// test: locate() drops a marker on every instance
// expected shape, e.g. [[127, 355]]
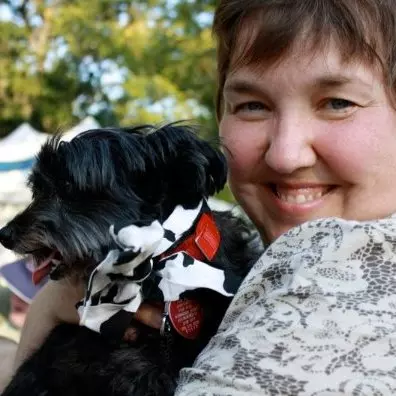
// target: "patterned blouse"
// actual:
[[316, 316]]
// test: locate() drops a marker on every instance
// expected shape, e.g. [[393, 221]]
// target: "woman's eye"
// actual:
[[250, 106], [338, 104]]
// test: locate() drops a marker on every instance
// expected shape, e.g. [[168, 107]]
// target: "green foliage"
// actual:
[[123, 62]]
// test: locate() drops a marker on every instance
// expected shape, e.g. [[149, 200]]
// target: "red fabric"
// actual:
[[203, 243]]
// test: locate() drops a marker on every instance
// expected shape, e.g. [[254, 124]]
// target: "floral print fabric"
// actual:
[[315, 316]]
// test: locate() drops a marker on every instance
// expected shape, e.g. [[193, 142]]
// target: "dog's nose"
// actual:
[[7, 237]]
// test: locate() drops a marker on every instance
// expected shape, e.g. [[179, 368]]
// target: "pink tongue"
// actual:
[[43, 269]]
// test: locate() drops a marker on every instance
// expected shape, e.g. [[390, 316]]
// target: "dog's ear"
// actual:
[[214, 168], [193, 168]]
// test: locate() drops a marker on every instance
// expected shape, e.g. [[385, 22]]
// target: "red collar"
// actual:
[[186, 315], [203, 243]]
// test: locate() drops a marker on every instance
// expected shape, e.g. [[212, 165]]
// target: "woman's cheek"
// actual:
[[350, 153], [244, 146]]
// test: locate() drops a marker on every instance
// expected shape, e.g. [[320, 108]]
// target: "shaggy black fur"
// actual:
[[105, 177]]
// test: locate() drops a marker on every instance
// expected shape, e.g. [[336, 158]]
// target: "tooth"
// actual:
[[301, 199], [289, 198]]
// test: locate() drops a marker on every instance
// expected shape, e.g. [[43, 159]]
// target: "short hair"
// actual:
[[253, 31]]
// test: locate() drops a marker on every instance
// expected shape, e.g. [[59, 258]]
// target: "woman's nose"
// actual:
[[290, 146]]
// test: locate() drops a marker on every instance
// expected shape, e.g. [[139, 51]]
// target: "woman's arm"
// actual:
[[54, 304]]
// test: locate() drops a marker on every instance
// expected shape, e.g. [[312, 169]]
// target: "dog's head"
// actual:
[[105, 177]]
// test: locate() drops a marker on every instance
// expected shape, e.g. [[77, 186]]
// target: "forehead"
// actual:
[[264, 39], [270, 32], [301, 64]]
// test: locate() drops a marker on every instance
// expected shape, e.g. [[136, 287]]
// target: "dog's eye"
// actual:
[[67, 187]]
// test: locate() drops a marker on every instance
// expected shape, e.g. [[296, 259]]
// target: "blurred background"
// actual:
[[118, 61], [70, 65]]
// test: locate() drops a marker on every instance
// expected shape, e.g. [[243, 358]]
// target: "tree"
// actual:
[[123, 62]]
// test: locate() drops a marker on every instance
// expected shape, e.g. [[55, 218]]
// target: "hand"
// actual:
[[54, 304], [148, 314]]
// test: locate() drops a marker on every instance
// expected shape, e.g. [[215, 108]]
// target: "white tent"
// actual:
[[13, 189], [21, 144], [17, 154], [86, 124]]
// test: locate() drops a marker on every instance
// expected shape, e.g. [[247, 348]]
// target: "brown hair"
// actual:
[[250, 31]]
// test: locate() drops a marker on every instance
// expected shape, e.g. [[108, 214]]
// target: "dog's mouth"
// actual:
[[46, 262]]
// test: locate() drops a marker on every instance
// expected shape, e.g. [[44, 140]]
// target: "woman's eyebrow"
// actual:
[[242, 86], [327, 81], [338, 80]]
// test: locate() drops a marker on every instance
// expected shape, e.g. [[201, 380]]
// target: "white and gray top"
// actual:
[[316, 316]]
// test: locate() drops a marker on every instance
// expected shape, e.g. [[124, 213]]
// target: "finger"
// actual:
[[131, 334], [150, 315]]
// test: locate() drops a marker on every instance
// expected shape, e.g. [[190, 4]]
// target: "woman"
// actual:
[[307, 119]]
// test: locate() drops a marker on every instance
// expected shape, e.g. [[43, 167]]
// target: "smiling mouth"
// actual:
[[301, 195]]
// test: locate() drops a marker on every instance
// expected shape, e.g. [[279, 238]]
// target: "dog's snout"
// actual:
[[7, 237]]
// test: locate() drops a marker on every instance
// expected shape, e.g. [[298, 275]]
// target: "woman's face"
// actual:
[[310, 137]]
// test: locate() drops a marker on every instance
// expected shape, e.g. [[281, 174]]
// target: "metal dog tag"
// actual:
[[186, 317]]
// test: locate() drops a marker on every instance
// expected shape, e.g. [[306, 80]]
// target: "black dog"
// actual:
[[125, 177]]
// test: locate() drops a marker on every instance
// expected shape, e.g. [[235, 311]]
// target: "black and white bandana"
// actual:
[[131, 272]]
